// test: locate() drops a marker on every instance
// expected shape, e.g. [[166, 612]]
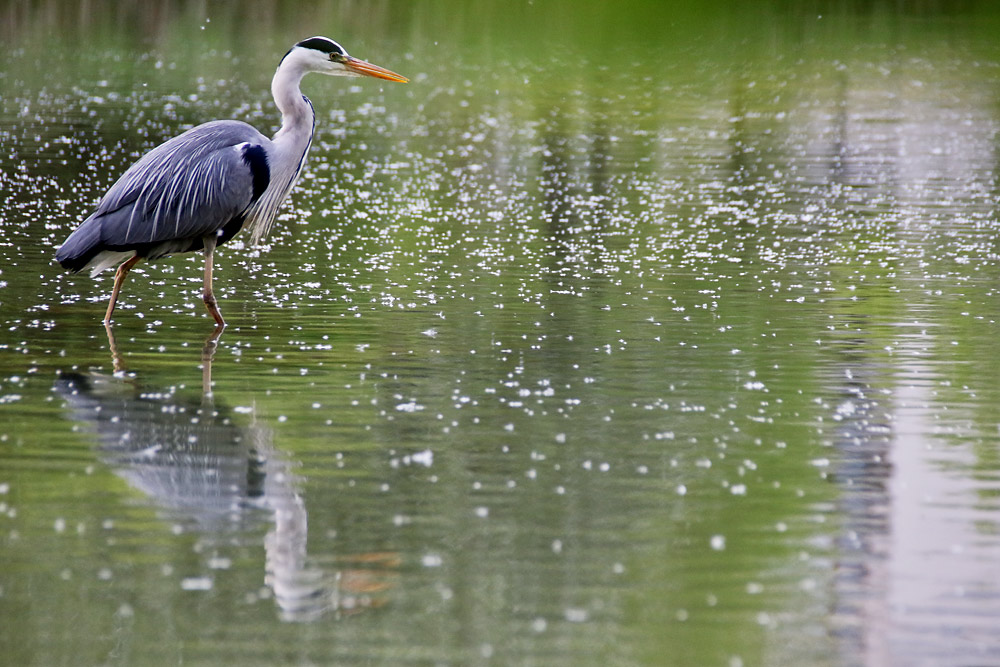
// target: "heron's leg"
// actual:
[[120, 274], [208, 295]]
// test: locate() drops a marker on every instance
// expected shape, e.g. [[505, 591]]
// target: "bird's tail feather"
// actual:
[[83, 249], [81, 246]]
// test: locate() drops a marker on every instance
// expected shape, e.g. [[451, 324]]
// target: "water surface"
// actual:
[[625, 338]]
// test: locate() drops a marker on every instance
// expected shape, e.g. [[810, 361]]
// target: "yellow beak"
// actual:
[[368, 69]]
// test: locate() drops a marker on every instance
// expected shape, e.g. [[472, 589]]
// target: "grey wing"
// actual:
[[186, 188]]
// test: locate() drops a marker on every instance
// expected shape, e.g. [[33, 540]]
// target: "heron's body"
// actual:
[[200, 183], [197, 190]]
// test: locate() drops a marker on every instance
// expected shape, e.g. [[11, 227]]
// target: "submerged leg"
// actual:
[[120, 274], [207, 354], [208, 296], [116, 358]]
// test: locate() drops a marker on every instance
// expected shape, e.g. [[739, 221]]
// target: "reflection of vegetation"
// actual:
[[493, 28]]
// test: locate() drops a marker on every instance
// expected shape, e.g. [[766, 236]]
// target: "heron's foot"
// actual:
[[213, 308]]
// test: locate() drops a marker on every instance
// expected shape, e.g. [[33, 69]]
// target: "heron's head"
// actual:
[[323, 55]]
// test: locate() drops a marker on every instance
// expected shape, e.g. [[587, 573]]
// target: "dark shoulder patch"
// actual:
[[256, 158], [322, 44]]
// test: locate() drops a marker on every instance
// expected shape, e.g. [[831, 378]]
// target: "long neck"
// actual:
[[297, 116], [290, 145]]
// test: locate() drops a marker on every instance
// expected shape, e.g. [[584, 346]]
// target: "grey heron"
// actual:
[[197, 190]]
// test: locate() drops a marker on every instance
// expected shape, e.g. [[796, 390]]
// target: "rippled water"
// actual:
[[665, 351]]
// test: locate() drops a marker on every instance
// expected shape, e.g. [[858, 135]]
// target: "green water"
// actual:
[[623, 334]]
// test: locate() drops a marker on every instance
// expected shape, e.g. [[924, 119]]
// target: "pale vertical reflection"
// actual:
[[943, 597], [941, 575], [917, 580], [932, 525]]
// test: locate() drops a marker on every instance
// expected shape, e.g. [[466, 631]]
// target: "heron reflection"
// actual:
[[192, 458]]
